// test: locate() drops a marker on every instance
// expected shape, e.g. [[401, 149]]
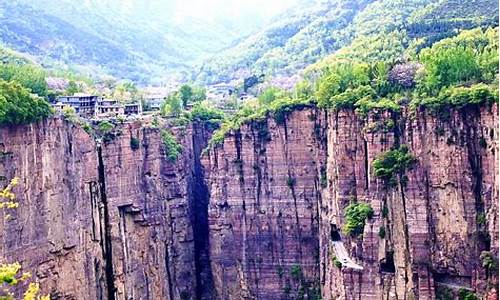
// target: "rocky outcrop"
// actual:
[[254, 218]]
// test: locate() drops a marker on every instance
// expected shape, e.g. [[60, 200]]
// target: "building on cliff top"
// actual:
[[91, 106], [84, 105]]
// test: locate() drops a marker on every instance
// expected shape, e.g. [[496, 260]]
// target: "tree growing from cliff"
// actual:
[[391, 165], [10, 274], [29, 76], [172, 148], [356, 215]]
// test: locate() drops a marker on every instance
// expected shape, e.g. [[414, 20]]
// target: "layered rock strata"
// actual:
[[254, 218]]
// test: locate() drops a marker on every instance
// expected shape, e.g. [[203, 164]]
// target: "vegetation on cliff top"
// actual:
[[19, 106], [452, 73]]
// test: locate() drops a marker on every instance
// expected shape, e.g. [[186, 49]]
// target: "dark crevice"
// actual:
[[105, 242], [199, 201], [169, 276]]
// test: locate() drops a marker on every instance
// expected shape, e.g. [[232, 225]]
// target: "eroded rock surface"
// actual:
[[253, 218]]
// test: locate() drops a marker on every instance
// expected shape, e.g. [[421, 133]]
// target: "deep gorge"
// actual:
[[254, 218]]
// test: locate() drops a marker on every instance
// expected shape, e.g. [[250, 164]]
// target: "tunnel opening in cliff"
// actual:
[[387, 264], [334, 233]]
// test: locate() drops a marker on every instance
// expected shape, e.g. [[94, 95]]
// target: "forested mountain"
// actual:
[[138, 40], [367, 29]]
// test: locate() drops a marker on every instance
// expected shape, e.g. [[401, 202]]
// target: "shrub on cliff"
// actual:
[[472, 56], [464, 294], [460, 96], [172, 147], [355, 215], [393, 163], [18, 106], [489, 262], [337, 262], [28, 76], [135, 144], [206, 113]]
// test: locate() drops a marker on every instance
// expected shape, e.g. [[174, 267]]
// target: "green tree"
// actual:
[[269, 95], [18, 106], [29, 76], [172, 106], [355, 217], [72, 88], [199, 94], [185, 93]]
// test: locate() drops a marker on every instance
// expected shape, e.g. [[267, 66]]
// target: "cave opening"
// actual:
[[334, 233], [387, 264]]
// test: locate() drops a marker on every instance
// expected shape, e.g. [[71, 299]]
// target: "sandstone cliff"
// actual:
[[436, 224], [101, 220], [254, 218]]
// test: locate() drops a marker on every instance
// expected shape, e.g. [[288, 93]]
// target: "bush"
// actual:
[[135, 143], [355, 216], [464, 294], [381, 232], [392, 163], [296, 272], [18, 106], [105, 126], [337, 262], [481, 219], [172, 148], [29, 76], [385, 211], [203, 112], [290, 182], [69, 113], [488, 261]]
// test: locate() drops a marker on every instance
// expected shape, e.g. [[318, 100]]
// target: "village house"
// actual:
[[84, 105], [220, 91], [89, 106], [132, 109], [153, 102], [109, 108]]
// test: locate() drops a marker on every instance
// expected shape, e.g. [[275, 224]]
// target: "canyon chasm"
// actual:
[[258, 216]]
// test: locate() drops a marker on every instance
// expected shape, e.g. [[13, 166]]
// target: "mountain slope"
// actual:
[[139, 40], [373, 28]]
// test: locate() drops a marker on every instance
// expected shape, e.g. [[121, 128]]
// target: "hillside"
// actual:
[[376, 29], [130, 40]]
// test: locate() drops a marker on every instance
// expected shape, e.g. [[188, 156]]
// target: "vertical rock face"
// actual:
[[100, 221], [255, 217], [436, 224], [263, 221]]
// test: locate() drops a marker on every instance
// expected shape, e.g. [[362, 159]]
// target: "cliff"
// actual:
[[278, 194], [101, 220], [260, 216]]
